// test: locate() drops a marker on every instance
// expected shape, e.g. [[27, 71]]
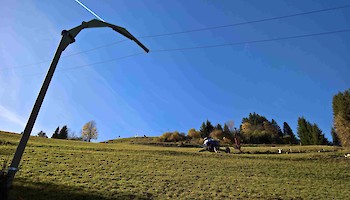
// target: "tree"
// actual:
[[176, 136], [342, 127], [203, 131], [227, 132], [335, 138], [55, 134], [42, 134], [341, 116], [206, 129], [310, 134], [318, 136], [192, 133], [303, 132], [254, 119], [288, 133], [89, 131], [172, 137], [277, 127], [63, 133], [217, 134], [257, 129], [218, 127]]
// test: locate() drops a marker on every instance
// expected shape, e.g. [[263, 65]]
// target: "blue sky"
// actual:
[[172, 90]]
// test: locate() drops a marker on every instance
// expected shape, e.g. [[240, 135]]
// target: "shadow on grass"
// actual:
[[23, 190]]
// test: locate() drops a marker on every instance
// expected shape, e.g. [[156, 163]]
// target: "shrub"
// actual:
[[172, 137], [192, 133], [217, 134]]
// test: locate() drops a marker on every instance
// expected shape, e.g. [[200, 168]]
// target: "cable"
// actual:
[[99, 47], [87, 65], [208, 46], [188, 31], [64, 56], [254, 41], [101, 62], [248, 22]]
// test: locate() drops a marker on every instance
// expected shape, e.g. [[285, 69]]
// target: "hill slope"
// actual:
[[62, 169]]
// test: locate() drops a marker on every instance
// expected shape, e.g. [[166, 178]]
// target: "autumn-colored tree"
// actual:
[[246, 130], [193, 133], [335, 138], [217, 134], [341, 116], [176, 136], [89, 131], [257, 129], [172, 137]]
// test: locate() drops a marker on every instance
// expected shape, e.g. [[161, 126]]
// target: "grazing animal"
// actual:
[[347, 155]]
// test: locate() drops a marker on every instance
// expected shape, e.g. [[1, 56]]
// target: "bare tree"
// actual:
[[233, 130], [89, 131], [231, 125]]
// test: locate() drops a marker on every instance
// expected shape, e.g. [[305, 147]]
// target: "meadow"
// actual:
[[133, 169]]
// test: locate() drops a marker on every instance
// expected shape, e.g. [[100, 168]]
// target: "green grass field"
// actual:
[[126, 169]]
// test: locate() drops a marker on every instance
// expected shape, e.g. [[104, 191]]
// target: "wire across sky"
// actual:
[[203, 47], [199, 30]]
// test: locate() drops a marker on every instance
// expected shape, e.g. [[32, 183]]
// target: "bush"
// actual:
[[172, 137], [217, 134], [192, 133]]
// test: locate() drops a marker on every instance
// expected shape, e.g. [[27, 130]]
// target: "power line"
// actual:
[[248, 22], [64, 56], [254, 41], [189, 31], [91, 64], [101, 62], [210, 46]]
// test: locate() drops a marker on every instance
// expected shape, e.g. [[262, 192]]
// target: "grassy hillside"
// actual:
[[123, 169]]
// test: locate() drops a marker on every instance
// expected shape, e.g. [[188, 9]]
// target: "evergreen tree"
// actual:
[[218, 127], [303, 132], [203, 131], [335, 137], [310, 134], [257, 129], [226, 132], [56, 133], [206, 129], [278, 128], [287, 131], [209, 127], [63, 133], [318, 137], [254, 119]]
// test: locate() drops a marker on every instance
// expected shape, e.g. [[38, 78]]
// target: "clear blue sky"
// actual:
[[172, 90]]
